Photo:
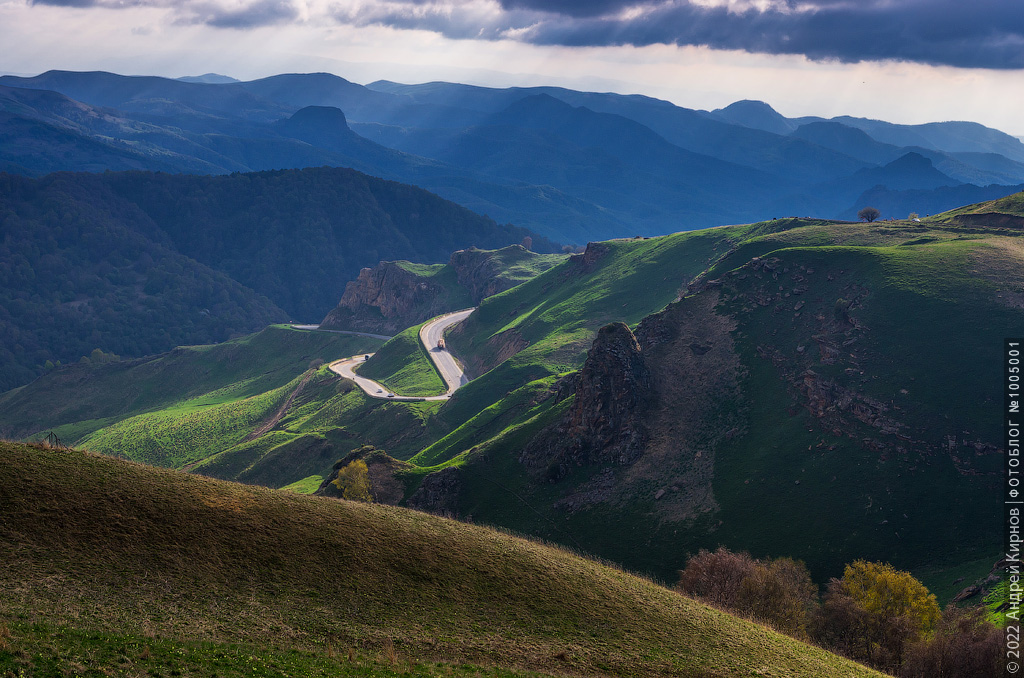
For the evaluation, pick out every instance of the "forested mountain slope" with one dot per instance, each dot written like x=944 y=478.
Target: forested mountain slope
x=137 y=263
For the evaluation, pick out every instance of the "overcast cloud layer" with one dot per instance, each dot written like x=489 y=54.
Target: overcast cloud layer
x=977 y=34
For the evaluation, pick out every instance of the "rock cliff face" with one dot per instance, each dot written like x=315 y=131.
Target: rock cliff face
x=484 y=272
x=648 y=414
x=603 y=426
x=390 y=297
x=386 y=299
x=438 y=493
x=587 y=260
x=381 y=469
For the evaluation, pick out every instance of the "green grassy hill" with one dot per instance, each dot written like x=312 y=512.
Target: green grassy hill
x=545 y=326
x=78 y=399
x=255 y=409
x=402 y=365
x=864 y=411
x=832 y=379
x=114 y=568
x=1011 y=205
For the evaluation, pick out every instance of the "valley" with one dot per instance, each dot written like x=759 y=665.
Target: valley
x=793 y=363
x=300 y=376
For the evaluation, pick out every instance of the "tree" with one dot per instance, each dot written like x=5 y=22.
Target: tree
x=874 y=612
x=780 y=592
x=717 y=577
x=777 y=592
x=965 y=645
x=528 y=242
x=354 y=481
x=868 y=214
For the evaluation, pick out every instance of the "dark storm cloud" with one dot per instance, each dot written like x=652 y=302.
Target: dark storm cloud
x=572 y=8
x=264 y=13
x=976 y=34
x=982 y=34
x=986 y=34
x=248 y=15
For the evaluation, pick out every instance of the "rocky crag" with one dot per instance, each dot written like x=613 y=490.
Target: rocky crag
x=394 y=295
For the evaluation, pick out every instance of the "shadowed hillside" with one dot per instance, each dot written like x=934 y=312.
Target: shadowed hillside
x=129 y=554
x=135 y=263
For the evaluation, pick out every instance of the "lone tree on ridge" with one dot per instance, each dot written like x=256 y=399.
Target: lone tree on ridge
x=868 y=214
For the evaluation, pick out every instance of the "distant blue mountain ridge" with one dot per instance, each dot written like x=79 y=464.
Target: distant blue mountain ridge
x=573 y=166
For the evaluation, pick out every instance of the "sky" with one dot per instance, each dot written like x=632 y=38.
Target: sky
x=906 y=61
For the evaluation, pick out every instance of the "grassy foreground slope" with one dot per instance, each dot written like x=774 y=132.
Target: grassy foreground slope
x=110 y=566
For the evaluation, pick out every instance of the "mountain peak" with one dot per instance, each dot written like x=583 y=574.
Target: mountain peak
x=209 y=79
x=911 y=160
x=747 y=105
x=757 y=115
x=319 y=115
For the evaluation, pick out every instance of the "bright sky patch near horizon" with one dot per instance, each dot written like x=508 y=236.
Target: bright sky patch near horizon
x=909 y=62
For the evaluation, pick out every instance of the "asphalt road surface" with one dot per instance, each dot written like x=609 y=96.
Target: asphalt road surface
x=429 y=335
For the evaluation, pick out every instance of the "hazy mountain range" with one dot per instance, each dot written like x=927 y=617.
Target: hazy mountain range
x=574 y=166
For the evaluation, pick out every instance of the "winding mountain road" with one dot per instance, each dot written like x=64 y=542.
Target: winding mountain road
x=445 y=362
x=431 y=334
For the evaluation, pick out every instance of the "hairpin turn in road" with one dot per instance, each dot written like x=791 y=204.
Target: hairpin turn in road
x=432 y=337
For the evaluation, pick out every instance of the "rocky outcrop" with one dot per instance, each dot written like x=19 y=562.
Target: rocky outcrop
x=603 y=426
x=390 y=297
x=828 y=401
x=438 y=493
x=485 y=272
x=382 y=470
x=386 y=299
x=587 y=261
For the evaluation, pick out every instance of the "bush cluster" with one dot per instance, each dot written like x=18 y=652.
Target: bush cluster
x=874 y=614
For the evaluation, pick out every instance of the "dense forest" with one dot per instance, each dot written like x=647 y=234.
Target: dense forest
x=135 y=263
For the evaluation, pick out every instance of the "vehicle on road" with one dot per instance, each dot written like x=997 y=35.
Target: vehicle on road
x=440 y=344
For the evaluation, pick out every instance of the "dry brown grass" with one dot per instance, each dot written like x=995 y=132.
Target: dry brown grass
x=389 y=653
x=101 y=543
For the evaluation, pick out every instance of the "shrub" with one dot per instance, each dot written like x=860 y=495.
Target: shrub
x=965 y=645
x=716 y=578
x=780 y=593
x=777 y=592
x=873 y=613
x=354 y=481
